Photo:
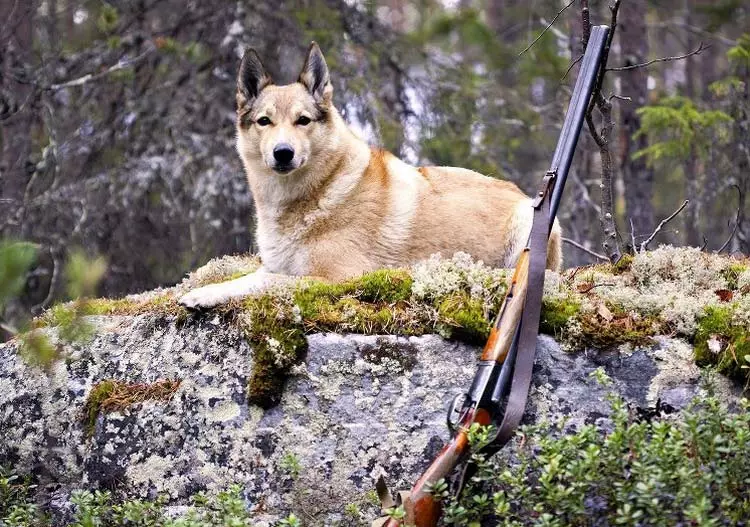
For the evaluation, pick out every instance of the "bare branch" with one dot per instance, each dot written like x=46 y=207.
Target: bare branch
x=662 y=224
x=94 y=76
x=8 y=328
x=671 y=24
x=736 y=221
x=620 y=97
x=632 y=235
x=547 y=28
x=56 y=268
x=611 y=242
x=585 y=193
x=576 y=61
x=585 y=249
x=696 y=51
x=586 y=19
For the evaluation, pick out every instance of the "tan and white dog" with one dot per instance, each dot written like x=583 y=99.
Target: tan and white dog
x=330 y=206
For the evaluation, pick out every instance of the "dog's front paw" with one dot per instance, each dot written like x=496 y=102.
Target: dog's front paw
x=204 y=298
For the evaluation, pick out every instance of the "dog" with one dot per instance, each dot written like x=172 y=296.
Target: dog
x=330 y=206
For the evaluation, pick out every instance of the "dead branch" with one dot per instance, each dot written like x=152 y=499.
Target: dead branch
x=736 y=221
x=662 y=224
x=696 y=51
x=611 y=242
x=576 y=61
x=585 y=193
x=560 y=12
x=94 y=76
x=585 y=249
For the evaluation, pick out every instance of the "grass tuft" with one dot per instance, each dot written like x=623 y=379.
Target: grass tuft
x=114 y=396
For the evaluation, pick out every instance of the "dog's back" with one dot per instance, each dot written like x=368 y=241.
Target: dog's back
x=446 y=210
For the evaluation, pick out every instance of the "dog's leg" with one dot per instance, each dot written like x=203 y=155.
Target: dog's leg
x=215 y=294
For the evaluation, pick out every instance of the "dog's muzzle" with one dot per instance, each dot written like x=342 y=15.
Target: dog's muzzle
x=283 y=155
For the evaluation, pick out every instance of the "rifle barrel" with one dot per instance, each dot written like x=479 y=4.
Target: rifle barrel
x=566 y=144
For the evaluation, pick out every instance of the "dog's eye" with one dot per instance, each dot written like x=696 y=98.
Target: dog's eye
x=303 y=121
x=263 y=121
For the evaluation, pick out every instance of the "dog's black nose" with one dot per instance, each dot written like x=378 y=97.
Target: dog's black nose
x=283 y=153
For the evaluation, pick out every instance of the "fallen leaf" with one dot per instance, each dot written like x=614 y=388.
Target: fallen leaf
x=725 y=295
x=604 y=312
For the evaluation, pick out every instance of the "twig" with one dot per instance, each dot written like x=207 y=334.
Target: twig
x=547 y=28
x=585 y=193
x=576 y=61
x=696 y=51
x=585 y=249
x=592 y=286
x=736 y=221
x=8 y=328
x=632 y=235
x=94 y=76
x=56 y=268
x=620 y=97
x=662 y=224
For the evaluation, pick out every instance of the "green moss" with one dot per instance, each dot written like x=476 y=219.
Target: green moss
x=466 y=317
x=623 y=264
x=621 y=328
x=114 y=396
x=732 y=273
x=278 y=343
x=556 y=313
x=717 y=328
x=65 y=315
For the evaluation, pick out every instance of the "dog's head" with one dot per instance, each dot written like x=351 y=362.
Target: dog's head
x=282 y=127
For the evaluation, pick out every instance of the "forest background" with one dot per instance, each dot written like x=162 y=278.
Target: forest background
x=117 y=119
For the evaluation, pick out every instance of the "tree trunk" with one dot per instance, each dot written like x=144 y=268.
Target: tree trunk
x=638 y=178
x=693 y=171
x=16 y=117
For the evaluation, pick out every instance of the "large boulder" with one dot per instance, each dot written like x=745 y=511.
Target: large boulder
x=300 y=398
x=356 y=407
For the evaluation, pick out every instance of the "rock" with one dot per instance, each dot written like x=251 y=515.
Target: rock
x=356 y=407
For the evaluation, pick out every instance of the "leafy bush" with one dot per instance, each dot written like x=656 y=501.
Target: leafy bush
x=94 y=509
x=693 y=471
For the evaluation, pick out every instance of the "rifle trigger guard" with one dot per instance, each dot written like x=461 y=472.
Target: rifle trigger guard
x=454 y=411
x=545 y=187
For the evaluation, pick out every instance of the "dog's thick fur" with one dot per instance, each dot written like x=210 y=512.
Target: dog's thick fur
x=336 y=208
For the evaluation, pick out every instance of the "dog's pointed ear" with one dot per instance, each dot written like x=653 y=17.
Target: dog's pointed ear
x=314 y=75
x=252 y=77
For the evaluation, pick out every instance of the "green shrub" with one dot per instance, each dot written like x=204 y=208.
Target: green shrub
x=93 y=509
x=692 y=471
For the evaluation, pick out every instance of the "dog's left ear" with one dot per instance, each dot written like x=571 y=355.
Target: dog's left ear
x=314 y=75
x=252 y=77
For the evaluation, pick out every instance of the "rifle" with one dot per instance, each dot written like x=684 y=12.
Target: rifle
x=498 y=393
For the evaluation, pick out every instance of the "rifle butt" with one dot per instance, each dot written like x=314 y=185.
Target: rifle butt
x=422 y=510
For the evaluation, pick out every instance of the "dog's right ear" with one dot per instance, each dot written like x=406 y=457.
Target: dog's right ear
x=252 y=77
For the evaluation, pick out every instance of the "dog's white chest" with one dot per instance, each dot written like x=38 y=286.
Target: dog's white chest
x=282 y=252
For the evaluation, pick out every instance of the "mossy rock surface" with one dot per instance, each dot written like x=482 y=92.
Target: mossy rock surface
x=303 y=418
x=703 y=297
